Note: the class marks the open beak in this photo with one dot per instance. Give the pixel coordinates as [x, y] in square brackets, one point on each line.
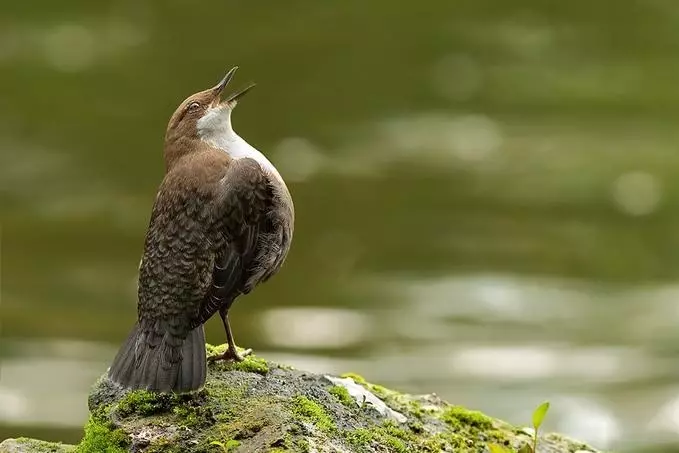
[232, 98]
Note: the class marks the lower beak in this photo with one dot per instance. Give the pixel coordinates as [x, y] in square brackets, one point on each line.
[238, 94]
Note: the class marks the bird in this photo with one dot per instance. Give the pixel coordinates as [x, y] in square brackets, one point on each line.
[222, 223]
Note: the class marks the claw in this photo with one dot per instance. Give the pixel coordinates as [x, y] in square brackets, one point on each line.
[230, 355]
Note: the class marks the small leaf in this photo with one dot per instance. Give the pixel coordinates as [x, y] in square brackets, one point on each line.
[495, 448]
[539, 414]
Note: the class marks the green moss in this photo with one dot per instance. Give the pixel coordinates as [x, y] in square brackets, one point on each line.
[342, 394]
[310, 410]
[193, 415]
[226, 447]
[356, 377]
[416, 409]
[416, 427]
[246, 419]
[388, 435]
[102, 437]
[359, 437]
[250, 364]
[471, 428]
[395, 438]
[144, 403]
[227, 401]
[380, 391]
[211, 349]
[249, 425]
[303, 446]
[458, 418]
[189, 409]
[468, 429]
[394, 444]
[451, 442]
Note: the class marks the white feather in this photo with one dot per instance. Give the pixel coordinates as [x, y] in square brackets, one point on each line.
[215, 128]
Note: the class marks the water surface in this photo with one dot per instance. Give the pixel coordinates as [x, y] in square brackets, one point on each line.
[485, 195]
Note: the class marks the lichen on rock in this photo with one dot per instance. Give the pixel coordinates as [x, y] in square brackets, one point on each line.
[259, 406]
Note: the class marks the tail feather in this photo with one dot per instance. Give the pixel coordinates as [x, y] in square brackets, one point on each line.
[165, 364]
[194, 370]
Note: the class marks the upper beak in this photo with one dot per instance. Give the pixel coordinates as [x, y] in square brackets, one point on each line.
[225, 81]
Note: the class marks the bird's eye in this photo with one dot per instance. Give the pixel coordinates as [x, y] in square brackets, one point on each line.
[194, 106]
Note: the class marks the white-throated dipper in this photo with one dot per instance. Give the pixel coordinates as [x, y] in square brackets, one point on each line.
[222, 223]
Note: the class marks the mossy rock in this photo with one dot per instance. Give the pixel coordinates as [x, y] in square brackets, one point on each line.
[259, 406]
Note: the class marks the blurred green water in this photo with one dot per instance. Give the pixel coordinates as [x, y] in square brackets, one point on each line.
[468, 175]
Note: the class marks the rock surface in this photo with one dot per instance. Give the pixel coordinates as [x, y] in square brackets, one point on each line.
[256, 406]
[24, 445]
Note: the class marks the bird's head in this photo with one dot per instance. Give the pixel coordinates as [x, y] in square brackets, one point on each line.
[204, 113]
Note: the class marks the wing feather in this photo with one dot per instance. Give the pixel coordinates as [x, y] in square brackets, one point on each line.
[245, 198]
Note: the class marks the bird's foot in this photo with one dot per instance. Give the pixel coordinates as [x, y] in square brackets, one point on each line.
[230, 355]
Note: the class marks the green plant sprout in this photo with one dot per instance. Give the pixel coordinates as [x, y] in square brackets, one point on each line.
[539, 415]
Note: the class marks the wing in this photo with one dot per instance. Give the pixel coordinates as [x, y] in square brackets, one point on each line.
[178, 259]
[241, 215]
[174, 275]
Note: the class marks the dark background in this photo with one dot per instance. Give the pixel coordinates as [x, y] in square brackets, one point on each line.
[485, 191]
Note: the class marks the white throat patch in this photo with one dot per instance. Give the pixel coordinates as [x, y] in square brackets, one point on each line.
[215, 128]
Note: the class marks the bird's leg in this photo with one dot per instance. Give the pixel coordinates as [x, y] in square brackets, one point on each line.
[230, 354]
